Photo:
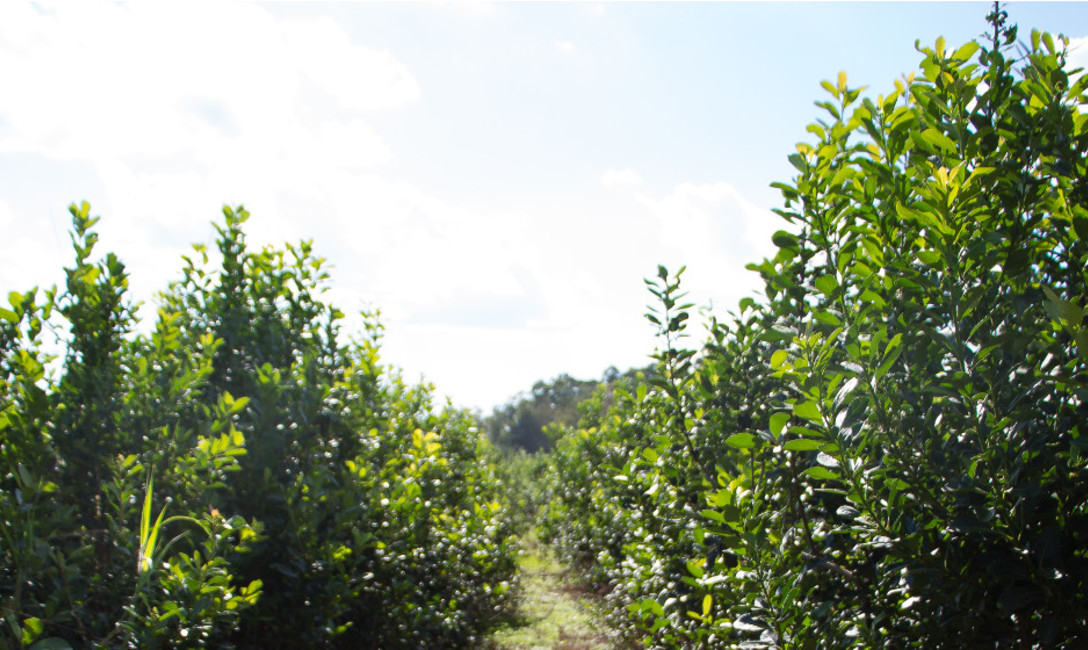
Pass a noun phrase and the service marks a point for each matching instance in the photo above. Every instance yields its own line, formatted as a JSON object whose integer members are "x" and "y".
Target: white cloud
{"x": 589, "y": 280}
{"x": 712, "y": 229}
{"x": 713, "y": 216}
{"x": 181, "y": 107}
{"x": 357, "y": 77}
{"x": 225, "y": 85}
{"x": 30, "y": 254}
{"x": 566, "y": 48}
{"x": 620, "y": 178}
{"x": 484, "y": 8}
{"x": 393, "y": 245}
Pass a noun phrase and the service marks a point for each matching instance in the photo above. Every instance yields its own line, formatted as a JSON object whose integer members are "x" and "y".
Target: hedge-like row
{"x": 240, "y": 477}
{"x": 889, "y": 449}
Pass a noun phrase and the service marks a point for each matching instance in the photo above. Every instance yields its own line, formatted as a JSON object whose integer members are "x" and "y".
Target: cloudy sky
{"x": 496, "y": 178}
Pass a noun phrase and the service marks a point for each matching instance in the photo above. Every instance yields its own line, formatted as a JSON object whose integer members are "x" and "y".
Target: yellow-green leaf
{"x": 807, "y": 410}
{"x": 938, "y": 139}
{"x": 778, "y": 422}
{"x": 32, "y": 629}
{"x": 742, "y": 440}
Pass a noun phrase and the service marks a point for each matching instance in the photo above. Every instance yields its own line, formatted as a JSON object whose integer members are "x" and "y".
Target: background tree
{"x": 520, "y": 423}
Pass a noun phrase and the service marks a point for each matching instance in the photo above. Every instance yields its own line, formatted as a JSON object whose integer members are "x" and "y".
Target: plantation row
{"x": 886, "y": 450}
{"x": 889, "y": 450}
{"x": 237, "y": 478}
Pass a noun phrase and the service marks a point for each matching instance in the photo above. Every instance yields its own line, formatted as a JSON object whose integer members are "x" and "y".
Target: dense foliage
{"x": 889, "y": 450}
{"x": 239, "y": 477}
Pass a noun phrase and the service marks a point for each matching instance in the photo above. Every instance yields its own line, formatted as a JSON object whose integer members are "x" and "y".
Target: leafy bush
{"x": 889, "y": 451}
{"x": 82, "y": 561}
{"x": 360, "y": 516}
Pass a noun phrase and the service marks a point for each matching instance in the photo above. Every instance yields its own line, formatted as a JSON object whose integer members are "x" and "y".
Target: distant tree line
{"x": 522, "y": 423}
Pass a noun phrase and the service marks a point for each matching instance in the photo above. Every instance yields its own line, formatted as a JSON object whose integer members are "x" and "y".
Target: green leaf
{"x": 843, "y": 175}
{"x": 720, "y": 498}
{"x": 784, "y": 239}
{"x": 149, "y": 534}
{"x": 890, "y": 358}
{"x": 1080, "y": 223}
{"x": 743, "y": 440}
{"x": 695, "y": 570}
{"x": 28, "y": 481}
{"x": 714, "y": 515}
{"x": 807, "y": 410}
{"x": 805, "y": 432}
{"x": 966, "y": 51}
{"x": 929, "y": 257}
{"x": 1067, "y": 312}
{"x": 730, "y": 513}
{"x": 653, "y": 607}
{"x": 32, "y": 629}
{"x": 821, "y": 473}
{"x": 827, "y": 318}
{"x": 938, "y": 139}
{"x": 9, "y": 315}
{"x": 777, "y": 422}
{"x": 873, "y": 297}
{"x": 802, "y": 444}
{"x": 827, "y": 284}
{"x": 896, "y": 484}
{"x": 778, "y": 358}
{"x": 1017, "y": 261}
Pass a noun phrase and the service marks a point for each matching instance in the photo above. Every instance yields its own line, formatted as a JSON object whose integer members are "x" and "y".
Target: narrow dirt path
{"x": 554, "y": 614}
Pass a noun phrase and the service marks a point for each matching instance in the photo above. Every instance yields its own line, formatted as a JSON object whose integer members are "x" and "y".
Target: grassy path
{"x": 554, "y": 613}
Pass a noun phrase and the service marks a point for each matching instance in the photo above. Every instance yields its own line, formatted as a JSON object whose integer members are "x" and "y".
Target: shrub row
{"x": 242, "y": 476}
{"x": 888, "y": 450}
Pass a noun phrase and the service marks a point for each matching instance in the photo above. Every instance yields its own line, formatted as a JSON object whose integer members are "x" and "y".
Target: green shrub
{"x": 889, "y": 451}
{"x": 359, "y": 515}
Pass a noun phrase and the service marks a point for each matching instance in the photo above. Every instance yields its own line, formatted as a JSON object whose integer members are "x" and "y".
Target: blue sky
{"x": 497, "y": 178}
